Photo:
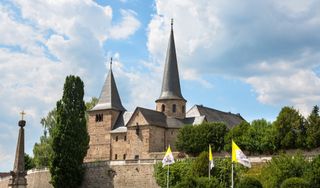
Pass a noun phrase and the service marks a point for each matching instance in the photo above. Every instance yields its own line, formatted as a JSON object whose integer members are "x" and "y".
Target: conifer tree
{"x": 69, "y": 137}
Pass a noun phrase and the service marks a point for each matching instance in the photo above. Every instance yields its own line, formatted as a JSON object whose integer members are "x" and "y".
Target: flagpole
{"x": 168, "y": 177}
{"x": 209, "y": 169}
{"x": 232, "y": 175}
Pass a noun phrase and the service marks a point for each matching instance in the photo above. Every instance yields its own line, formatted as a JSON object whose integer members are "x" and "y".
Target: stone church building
{"x": 116, "y": 134}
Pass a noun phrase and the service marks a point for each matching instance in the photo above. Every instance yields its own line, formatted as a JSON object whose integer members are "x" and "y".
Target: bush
{"x": 249, "y": 182}
{"x": 312, "y": 174}
{"x": 295, "y": 183}
{"x": 199, "y": 182}
{"x": 281, "y": 168}
{"x": 178, "y": 171}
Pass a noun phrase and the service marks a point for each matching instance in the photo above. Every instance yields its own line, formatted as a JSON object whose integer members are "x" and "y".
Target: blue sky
{"x": 249, "y": 57}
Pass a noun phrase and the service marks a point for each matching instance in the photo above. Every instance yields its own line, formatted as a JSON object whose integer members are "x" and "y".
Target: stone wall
{"x": 180, "y": 105}
{"x": 35, "y": 179}
{"x": 106, "y": 174}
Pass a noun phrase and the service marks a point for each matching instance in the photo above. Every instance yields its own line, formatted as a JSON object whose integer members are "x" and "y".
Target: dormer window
{"x": 174, "y": 108}
{"x": 163, "y": 108}
{"x": 99, "y": 117}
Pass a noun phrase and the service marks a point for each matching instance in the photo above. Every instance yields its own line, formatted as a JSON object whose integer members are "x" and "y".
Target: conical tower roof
{"x": 109, "y": 96}
{"x": 171, "y": 82}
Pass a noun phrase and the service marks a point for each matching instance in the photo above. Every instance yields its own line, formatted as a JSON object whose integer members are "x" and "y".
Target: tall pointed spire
{"x": 109, "y": 96}
{"x": 171, "y": 82}
{"x": 18, "y": 174}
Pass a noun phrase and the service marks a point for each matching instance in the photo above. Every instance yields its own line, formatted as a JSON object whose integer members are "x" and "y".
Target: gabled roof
{"x": 109, "y": 96}
{"x": 171, "y": 82}
{"x": 213, "y": 115}
{"x": 153, "y": 117}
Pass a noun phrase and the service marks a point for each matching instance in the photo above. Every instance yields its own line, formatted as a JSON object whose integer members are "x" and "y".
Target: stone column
{"x": 18, "y": 175}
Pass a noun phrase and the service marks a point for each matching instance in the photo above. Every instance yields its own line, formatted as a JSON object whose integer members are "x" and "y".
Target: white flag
{"x": 168, "y": 158}
{"x": 238, "y": 156}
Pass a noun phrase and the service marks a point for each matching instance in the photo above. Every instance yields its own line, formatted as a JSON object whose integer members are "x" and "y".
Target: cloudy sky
{"x": 249, "y": 57}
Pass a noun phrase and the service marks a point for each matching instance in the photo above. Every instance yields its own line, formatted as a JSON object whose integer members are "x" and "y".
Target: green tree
{"x": 195, "y": 139}
{"x": 42, "y": 152}
{"x": 28, "y": 162}
{"x": 69, "y": 137}
{"x": 295, "y": 182}
{"x": 313, "y": 128}
{"x": 290, "y": 126}
{"x": 238, "y": 134}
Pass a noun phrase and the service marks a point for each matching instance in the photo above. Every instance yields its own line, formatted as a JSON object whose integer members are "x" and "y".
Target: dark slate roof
{"x": 121, "y": 122}
{"x": 153, "y": 117}
{"x": 171, "y": 83}
{"x": 213, "y": 115}
{"x": 109, "y": 96}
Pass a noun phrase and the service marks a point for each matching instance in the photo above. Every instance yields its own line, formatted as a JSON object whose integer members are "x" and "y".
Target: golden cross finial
{"x": 22, "y": 114}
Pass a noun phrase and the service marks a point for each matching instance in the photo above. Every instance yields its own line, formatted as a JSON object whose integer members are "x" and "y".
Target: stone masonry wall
{"x": 180, "y": 108}
{"x": 35, "y": 179}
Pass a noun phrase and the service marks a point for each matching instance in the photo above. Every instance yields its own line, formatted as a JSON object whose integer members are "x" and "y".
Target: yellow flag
{"x": 210, "y": 158}
{"x": 168, "y": 158}
{"x": 238, "y": 156}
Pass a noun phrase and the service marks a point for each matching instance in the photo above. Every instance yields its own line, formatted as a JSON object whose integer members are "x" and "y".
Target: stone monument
{"x": 18, "y": 175}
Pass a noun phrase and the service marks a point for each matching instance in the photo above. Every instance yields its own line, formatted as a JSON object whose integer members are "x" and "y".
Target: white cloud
{"x": 271, "y": 45}
{"x": 127, "y": 27}
{"x": 42, "y": 42}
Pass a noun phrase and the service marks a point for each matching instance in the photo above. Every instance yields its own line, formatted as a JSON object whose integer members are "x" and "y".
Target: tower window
{"x": 125, "y": 138}
{"x": 115, "y": 156}
{"x": 174, "y": 108}
{"x": 124, "y": 156}
{"x": 136, "y": 157}
{"x": 116, "y": 138}
{"x": 183, "y": 109}
{"x": 163, "y": 108}
{"x": 99, "y": 117}
{"x": 137, "y": 129}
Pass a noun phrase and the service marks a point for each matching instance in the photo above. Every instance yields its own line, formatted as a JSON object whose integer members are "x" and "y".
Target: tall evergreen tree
{"x": 313, "y": 128}
{"x": 69, "y": 137}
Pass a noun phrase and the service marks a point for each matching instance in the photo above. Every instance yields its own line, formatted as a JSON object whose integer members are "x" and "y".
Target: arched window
{"x": 163, "y": 108}
{"x": 174, "y": 108}
{"x": 116, "y": 138}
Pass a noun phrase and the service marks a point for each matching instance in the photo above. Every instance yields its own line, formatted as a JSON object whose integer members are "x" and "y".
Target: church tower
{"x": 102, "y": 119}
{"x": 171, "y": 101}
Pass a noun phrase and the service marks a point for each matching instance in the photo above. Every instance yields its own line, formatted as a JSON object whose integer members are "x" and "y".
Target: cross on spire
{"x": 22, "y": 114}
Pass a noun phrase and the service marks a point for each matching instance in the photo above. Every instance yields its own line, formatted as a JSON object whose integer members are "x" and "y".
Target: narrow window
{"x": 99, "y": 117}
{"x": 125, "y": 138}
{"x": 163, "y": 108}
{"x": 137, "y": 129}
{"x": 174, "y": 106}
{"x": 183, "y": 109}
{"x": 115, "y": 157}
{"x": 124, "y": 156}
{"x": 171, "y": 132}
{"x": 136, "y": 157}
{"x": 116, "y": 138}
